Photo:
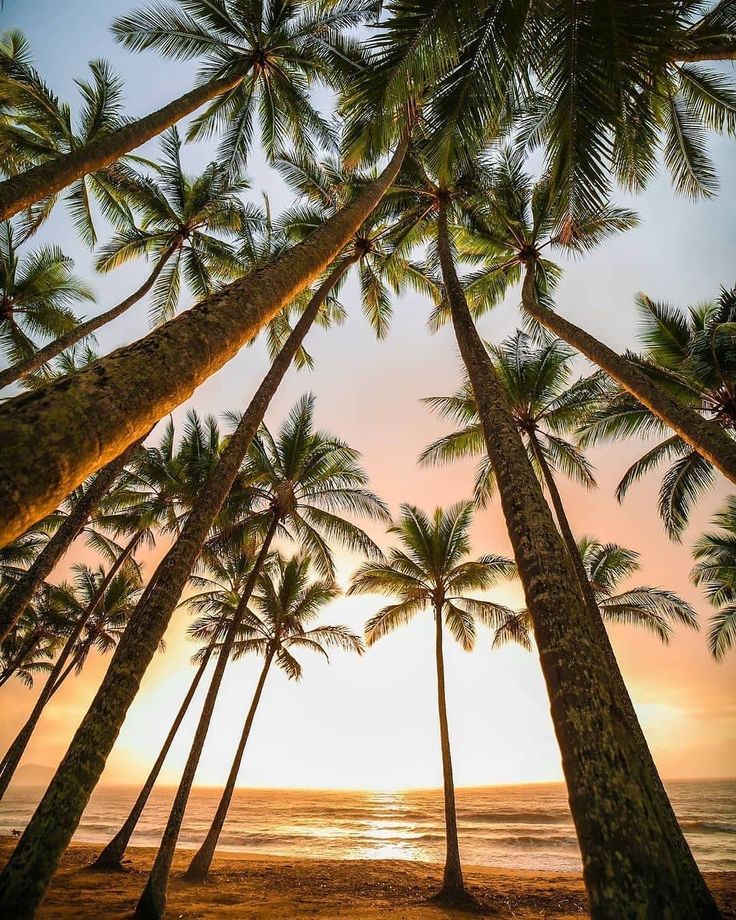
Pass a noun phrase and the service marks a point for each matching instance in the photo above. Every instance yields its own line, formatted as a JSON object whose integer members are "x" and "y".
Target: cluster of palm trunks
{"x": 433, "y": 89}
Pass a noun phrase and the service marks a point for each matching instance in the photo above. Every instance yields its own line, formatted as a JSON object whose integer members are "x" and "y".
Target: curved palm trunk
{"x": 199, "y": 867}
{"x": 28, "y": 872}
{"x": 152, "y": 902}
{"x": 101, "y": 409}
{"x": 453, "y": 887}
{"x": 50, "y": 351}
{"x": 39, "y": 182}
{"x": 704, "y": 436}
{"x": 111, "y": 858}
{"x": 58, "y": 674}
{"x": 636, "y": 860}
{"x": 14, "y": 603}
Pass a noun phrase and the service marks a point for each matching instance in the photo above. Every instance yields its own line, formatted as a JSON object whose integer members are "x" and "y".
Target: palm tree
{"x": 97, "y": 608}
{"x": 34, "y": 640}
{"x": 197, "y": 343}
{"x": 227, "y": 569}
{"x": 429, "y": 571}
{"x": 689, "y": 353}
{"x": 546, "y": 407}
{"x": 180, "y": 219}
{"x": 42, "y": 129}
{"x": 715, "y": 568}
{"x": 613, "y": 810}
{"x": 510, "y": 227}
{"x": 606, "y": 566}
{"x": 301, "y": 481}
{"x": 286, "y": 602}
{"x": 37, "y": 293}
{"x": 148, "y": 625}
{"x": 258, "y": 60}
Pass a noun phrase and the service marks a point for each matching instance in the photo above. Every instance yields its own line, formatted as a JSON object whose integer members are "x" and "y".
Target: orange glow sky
{"x": 371, "y": 723}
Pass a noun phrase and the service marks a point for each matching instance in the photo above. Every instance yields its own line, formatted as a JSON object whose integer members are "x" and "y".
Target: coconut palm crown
{"x": 281, "y": 49}
{"x": 715, "y": 570}
{"x": 545, "y": 403}
{"x": 429, "y": 570}
{"x": 183, "y": 220}
{"x": 607, "y": 565}
{"x": 38, "y": 291}
{"x": 691, "y": 353}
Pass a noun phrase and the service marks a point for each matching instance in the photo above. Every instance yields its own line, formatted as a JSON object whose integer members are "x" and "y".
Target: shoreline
{"x": 271, "y": 887}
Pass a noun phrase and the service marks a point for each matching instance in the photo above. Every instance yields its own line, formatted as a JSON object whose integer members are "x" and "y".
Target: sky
{"x": 371, "y": 722}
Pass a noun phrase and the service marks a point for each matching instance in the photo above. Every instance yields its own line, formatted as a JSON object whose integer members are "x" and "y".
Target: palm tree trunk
{"x": 14, "y": 603}
{"x": 50, "y": 351}
{"x": 636, "y": 860}
{"x": 111, "y": 858}
{"x": 39, "y": 182}
{"x": 703, "y": 435}
{"x": 152, "y": 902}
{"x": 57, "y": 675}
{"x": 453, "y": 887}
{"x": 199, "y": 867}
{"x": 565, "y": 530}
{"x": 101, "y": 409}
{"x": 28, "y": 872}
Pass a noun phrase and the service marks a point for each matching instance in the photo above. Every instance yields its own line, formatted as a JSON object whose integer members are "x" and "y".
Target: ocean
{"x": 525, "y": 827}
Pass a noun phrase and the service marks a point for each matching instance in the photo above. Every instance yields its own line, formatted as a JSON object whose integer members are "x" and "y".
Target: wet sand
{"x": 271, "y": 887}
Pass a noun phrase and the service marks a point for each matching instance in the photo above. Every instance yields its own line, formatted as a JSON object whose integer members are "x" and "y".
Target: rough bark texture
{"x": 453, "y": 887}
{"x": 58, "y": 675}
{"x": 54, "y": 438}
{"x": 70, "y": 338}
{"x": 111, "y": 858}
{"x": 704, "y": 436}
{"x": 199, "y": 867}
{"x": 152, "y": 903}
{"x": 19, "y": 597}
{"x": 27, "y": 874}
{"x": 636, "y": 862}
{"x": 21, "y": 191}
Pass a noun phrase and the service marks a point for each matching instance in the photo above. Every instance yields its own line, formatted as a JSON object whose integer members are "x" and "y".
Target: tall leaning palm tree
{"x": 257, "y": 62}
{"x": 25, "y": 882}
{"x": 689, "y": 353}
{"x": 607, "y": 565}
{"x": 37, "y": 293}
{"x": 429, "y": 571}
{"x": 513, "y": 229}
{"x": 303, "y": 482}
{"x": 575, "y": 652}
{"x": 715, "y": 569}
{"x": 278, "y": 622}
{"x": 547, "y": 408}
{"x": 184, "y": 224}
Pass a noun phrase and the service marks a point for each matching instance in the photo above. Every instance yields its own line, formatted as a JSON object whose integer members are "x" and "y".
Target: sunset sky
{"x": 371, "y": 723}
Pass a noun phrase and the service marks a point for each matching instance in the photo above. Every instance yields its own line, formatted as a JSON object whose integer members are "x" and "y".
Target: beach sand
{"x": 271, "y": 887}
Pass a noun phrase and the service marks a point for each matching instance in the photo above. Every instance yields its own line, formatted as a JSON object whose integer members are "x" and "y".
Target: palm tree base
{"x": 195, "y": 875}
{"x": 107, "y": 864}
{"x": 457, "y": 899}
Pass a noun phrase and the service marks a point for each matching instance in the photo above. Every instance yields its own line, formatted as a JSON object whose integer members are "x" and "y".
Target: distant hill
{"x": 33, "y": 774}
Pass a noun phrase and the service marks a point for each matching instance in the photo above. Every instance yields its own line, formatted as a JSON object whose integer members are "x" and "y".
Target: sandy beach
{"x": 267, "y": 888}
